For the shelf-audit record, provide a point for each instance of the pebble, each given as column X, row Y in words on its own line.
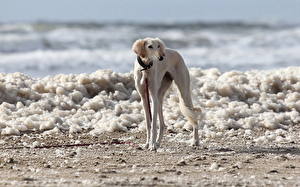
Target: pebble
column 182, row 163
column 9, row 160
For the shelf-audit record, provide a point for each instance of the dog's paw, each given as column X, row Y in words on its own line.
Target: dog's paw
column 157, row 144
column 146, row 145
column 153, row 147
column 195, row 143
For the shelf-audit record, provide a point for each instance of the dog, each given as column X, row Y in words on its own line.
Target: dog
column 155, row 68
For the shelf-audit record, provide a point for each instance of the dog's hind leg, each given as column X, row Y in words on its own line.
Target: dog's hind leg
column 182, row 80
column 166, row 83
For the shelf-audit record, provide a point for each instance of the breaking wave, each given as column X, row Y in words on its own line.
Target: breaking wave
column 48, row 48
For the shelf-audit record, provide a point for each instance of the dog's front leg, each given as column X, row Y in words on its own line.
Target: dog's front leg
column 153, row 145
column 147, row 118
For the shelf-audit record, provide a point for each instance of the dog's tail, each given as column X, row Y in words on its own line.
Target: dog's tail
column 193, row 114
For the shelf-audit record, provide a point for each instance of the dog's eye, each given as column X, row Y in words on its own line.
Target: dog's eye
column 158, row 46
column 150, row 46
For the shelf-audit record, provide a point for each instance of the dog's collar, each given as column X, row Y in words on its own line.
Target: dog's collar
column 145, row 66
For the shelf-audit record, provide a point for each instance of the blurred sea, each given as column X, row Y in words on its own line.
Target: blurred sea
column 47, row 48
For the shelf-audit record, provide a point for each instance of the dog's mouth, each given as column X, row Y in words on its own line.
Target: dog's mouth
column 157, row 57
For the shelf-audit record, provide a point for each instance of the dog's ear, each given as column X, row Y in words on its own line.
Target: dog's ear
column 162, row 47
column 139, row 48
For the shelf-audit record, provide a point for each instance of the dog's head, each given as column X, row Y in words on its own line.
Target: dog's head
column 150, row 48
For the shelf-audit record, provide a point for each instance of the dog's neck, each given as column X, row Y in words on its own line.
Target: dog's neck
column 145, row 63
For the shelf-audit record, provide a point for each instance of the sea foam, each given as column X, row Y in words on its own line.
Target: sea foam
column 106, row 101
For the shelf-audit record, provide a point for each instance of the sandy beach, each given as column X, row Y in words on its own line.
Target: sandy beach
column 116, row 159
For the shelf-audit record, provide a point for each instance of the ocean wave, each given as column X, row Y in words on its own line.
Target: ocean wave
column 64, row 36
column 46, row 26
column 43, row 62
column 46, row 47
column 19, row 28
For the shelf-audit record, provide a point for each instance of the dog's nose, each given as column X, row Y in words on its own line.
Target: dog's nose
column 161, row 58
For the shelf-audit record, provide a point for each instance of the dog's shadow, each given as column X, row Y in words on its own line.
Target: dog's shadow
column 280, row 150
column 293, row 150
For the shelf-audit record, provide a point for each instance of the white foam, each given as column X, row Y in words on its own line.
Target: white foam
column 105, row 101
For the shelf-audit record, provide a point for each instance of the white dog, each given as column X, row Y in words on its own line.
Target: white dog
column 155, row 69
